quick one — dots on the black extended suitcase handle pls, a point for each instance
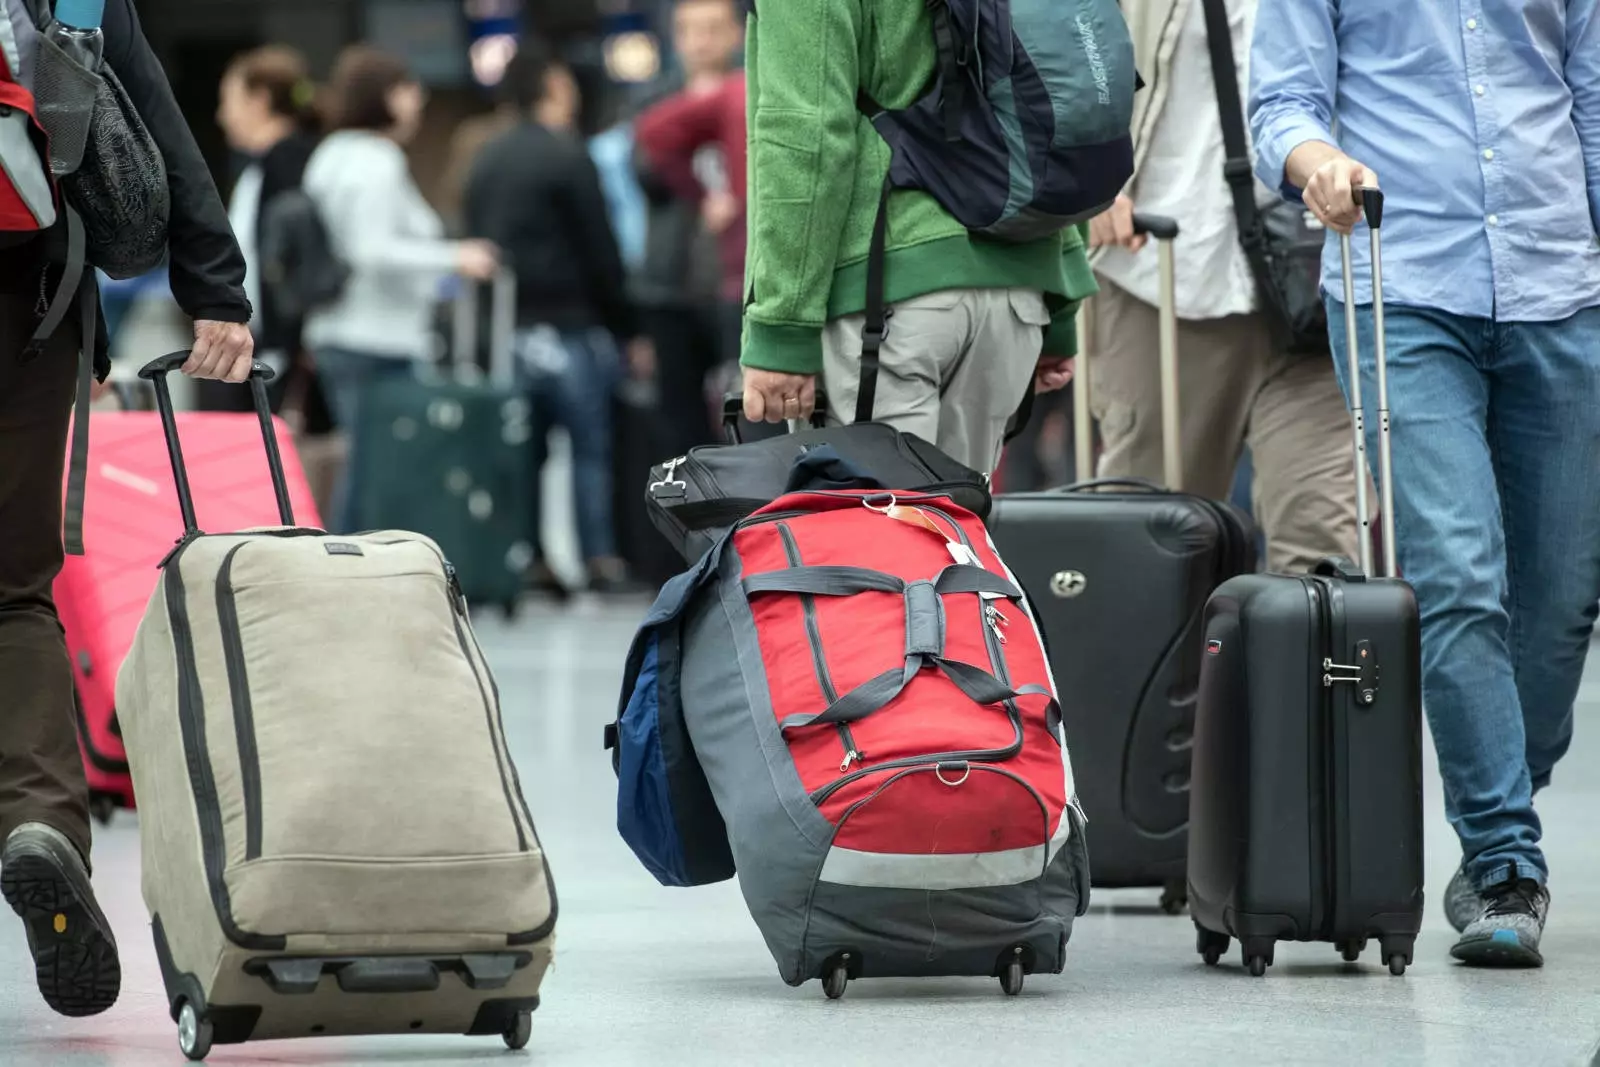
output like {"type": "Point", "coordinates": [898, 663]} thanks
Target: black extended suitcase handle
{"type": "Point", "coordinates": [155, 372]}
{"type": "Point", "coordinates": [733, 410]}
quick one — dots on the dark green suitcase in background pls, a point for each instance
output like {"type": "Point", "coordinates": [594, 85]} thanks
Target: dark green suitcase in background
{"type": "Point", "coordinates": [447, 456]}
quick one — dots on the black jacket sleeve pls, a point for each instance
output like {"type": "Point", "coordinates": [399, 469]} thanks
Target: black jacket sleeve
{"type": "Point", "coordinates": [605, 275]}
{"type": "Point", "coordinates": [206, 268]}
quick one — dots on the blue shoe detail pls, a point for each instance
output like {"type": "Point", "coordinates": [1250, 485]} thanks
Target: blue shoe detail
{"type": "Point", "coordinates": [1507, 936]}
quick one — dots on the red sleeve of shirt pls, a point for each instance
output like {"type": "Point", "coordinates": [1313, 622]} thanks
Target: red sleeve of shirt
{"type": "Point", "coordinates": [671, 132]}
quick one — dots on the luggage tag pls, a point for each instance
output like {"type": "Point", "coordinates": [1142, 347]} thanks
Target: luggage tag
{"type": "Point", "coordinates": [960, 553]}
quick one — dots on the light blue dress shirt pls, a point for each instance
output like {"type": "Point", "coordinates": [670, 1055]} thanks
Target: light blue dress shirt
{"type": "Point", "coordinates": [1481, 119]}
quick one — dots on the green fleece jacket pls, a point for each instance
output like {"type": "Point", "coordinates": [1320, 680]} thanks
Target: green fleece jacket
{"type": "Point", "coordinates": [816, 171]}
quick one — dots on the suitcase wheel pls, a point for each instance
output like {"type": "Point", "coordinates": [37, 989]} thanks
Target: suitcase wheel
{"type": "Point", "coordinates": [1175, 897]}
{"type": "Point", "coordinates": [1012, 977]}
{"type": "Point", "coordinates": [837, 977]}
{"type": "Point", "coordinates": [1210, 944]}
{"type": "Point", "coordinates": [1397, 964]}
{"type": "Point", "coordinates": [103, 807]}
{"type": "Point", "coordinates": [1257, 954]}
{"type": "Point", "coordinates": [194, 1032]}
{"type": "Point", "coordinates": [518, 1033]}
{"type": "Point", "coordinates": [1352, 950]}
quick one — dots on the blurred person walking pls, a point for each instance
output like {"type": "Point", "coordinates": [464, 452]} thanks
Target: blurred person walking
{"type": "Point", "coordinates": [266, 108]}
{"type": "Point", "coordinates": [1239, 386]}
{"type": "Point", "coordinates": [690, 154]}
{"type": "Point", "coordinates": [44, 818]}
{"type": "Point", "coordinates": [535, 192]}
{"type": "Point", "coordinates": [1484, 122]}
{"type": "Point", "coordinates": [388, 237]}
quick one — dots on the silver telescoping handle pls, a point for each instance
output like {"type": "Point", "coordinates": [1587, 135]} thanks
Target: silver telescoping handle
{"type": "Point", "coordinates": [1165, 231]}
{"type": "Point", "coordinates": [502, 325]}
{"type": "Point", "coordinates": [1371, 202]}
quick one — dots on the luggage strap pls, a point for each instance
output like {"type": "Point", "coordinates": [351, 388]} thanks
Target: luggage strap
{"type": "Point", "coordinates": [925, 634]}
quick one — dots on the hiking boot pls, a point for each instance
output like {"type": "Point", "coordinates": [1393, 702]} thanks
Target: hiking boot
{"type": "Point", "coordinates": [46, 882]}
{"type": "Point", "coordinates": [1508, 928]}
{"type": "Point", "coordinates": [1461, 900]}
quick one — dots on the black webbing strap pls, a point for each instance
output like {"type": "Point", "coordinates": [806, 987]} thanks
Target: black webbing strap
{"type": "Point", "coordinates": [874, 695]}
{"type": "Point", "coordinates": [848, 581]}
{"type": "Point", "coordinates": [1230, 109]}
{"type": "Point", "coordinates": [877, 317]}
{"type": "Point", "coordinates": [952, 79]}
{"type": "Point", "coordinates": [71, 278]}
{"type": "Point", "coordinates": [78, 453]}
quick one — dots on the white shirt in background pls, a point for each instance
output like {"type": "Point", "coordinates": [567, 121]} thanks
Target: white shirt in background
{"type": "Point", "coordinates": [244, 208]}
{"type": "Point", "coordinates": [393, 242]}
{"type": "Point", "coordinates": [1182, 178]}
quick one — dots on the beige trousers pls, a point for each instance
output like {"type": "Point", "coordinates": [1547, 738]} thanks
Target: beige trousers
{"type": "Point", "coordinates": [1235, 389]}
{"type": "Point", "coordinates": [954, 367]}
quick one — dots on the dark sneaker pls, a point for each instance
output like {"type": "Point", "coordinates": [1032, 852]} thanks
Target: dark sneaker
{"type": "Point", "coordinates": [1461, 901]}
{"type": "Point", "coordinates": [1508, 928]}
{"type": "Point", "coordinates": [74, 953]}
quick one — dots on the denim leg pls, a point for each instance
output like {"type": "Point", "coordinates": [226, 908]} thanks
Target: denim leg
{"type": "Point", "coordinates": [585, 392]}
{"type": "Point", "coordinates": [1544, 424]}
{"type": "Point", "coordinates": [1452, 549]}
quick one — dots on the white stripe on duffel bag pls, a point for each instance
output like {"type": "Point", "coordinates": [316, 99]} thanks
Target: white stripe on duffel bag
{"type": "Point", "coordinates": [959, 870]}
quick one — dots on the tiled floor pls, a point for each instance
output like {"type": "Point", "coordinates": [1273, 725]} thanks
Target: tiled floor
{"type": "Point", "coordinates": [659, 977]}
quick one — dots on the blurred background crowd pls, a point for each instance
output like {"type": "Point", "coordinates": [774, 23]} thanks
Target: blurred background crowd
{"type": "Point", "coordinates": [593, 149]}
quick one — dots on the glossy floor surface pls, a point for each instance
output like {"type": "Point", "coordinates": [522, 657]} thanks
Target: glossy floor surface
{"type": "Point", "coordinates": [659, 977]}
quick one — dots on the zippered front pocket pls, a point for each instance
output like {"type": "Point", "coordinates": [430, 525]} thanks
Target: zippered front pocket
{"type": "Point", "coordinates": [357, 693]}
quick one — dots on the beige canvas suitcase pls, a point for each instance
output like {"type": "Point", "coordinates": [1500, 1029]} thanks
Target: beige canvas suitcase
{"type": "Point", "coordinates": [334, 836]}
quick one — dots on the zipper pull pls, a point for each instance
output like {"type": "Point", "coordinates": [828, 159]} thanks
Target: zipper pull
{"type": "Point", "coordinates": [851, 757]}
{"type": "Point", "coordinates": [457, 596]}
{"type": "Point", "coordinates": [996, 621]}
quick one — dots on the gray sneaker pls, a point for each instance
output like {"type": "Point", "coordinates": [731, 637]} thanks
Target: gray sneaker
{"type": "Point", "coordinates": [1508, 928]}
{"type": "Point", "coordinates": [1461, 901]}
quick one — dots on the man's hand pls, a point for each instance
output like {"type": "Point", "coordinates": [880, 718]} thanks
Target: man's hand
{"type": "Point", "coordinates": [773, 397]}
{"type": "Point", "coordinates": [1114, 226]}
{"type": "Point", "coordinates": [222, 350]}
{"type": "Point", "coordinates": [1054, 373]}
{"type": "Point", "coordinates": [1330, 192]}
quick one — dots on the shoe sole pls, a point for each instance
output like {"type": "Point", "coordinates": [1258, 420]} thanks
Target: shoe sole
{"type": "Point", "coordinates": [1497, 951]}
{"type": "Point", "coordinates": [74, 955]}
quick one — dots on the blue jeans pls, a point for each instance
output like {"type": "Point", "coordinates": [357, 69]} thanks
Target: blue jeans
{"type": "Point", "coordinates": [1496, 437]}
{"type": "Point", "coordinates": [345, 374]}
{"type": "Point", "coordinates": [570, 378]}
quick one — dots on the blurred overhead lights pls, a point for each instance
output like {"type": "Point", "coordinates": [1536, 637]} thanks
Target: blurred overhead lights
{"type": "Point", "coordinates": [632, 57]}
{"type": "Point", "coordinates": [490, 55]}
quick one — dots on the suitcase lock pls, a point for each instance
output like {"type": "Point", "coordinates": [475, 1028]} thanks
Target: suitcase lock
{"type": "Point", "coordinates": [1363, 674]}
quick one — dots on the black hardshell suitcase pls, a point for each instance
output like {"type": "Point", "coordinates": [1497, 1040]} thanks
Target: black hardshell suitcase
{"type": "Point", "coordinates": [1307, 793]}
{"type": "Point", "coordinates": [1118, 573]}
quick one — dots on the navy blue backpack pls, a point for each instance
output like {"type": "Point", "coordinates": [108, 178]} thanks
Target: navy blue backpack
{"type": "Point", "coordinates": [1024, 131]}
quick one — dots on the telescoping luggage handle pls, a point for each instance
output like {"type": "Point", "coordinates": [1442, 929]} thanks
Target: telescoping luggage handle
{"type": "Point", "coordinates": [1165, 231]}
{"type": "Point", "coordinates": [502, 326]}
{"type": "Point", "coordinates": [156, 372]}
{"type": "Point", "coordinates": [1371, 202]}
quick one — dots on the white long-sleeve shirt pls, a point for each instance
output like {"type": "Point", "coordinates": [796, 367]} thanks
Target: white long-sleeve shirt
{"type": "Point", "coordinates": [388, 236]}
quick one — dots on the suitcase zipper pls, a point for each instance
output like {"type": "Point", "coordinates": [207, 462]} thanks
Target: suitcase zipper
{"type": "Point", "coordinates": [808, 604]}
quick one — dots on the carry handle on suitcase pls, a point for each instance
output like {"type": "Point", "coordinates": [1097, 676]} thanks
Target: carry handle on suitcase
{"type": "Point", "coordinates": [155, 372]}
{"type": "Point", "coordinates": [1370, 201]}
{"type": "Point", "coordinates": [733, 411]}
{"type": "Point", "coordinates": [502, 326]}
{"type": "Point", "coordinates": [1165, 232]}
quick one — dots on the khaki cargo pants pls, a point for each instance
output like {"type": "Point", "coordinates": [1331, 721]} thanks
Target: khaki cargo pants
{"type": "Point", "coordinates": [1235, 388]}
{"type": "Point", "coordinates": [955, 365]}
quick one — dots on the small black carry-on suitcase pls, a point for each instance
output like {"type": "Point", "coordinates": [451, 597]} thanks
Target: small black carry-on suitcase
{"type": "Point", "coordinates": [1118, 573]}
{"type": "Point", "coordinates": [1306, 802]}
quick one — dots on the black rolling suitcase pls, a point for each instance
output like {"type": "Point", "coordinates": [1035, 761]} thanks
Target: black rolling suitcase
{"type": "Point", "coordinates": [1307, 792]}
{"type": "Point", "coordinates": [1118, 573]}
